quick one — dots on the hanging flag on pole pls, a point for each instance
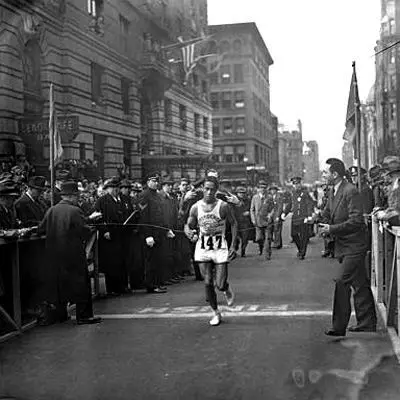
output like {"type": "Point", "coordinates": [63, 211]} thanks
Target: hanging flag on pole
{"type": "Point", "coordinates": [188, 56]}
{"type": "Point", "coordinates": [54, 134]}
{"type": "Point", "coordinates": [353, 115]}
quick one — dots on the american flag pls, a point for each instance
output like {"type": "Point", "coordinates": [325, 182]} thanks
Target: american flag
{"type": "Point", "coordinates": [188, 57]}
{"type": "Point", "coordinates": [351, 132]}
{"type": "Point", "coordinates": [54, 134]}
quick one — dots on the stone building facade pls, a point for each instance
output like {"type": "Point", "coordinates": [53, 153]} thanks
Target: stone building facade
{"type": "Point", "coordinates": [387, 88]}
{"type": "Point", "coordinates": [311, 162]}
{"type": "Point", "coordinates": [291, 153]}
{"type": "Point", "coordinates": [243, 129]}
{"type": "Point", "coordinates": [119, 100]}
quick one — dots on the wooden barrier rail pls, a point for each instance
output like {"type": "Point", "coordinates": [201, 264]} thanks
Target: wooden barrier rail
{"type": "Point", "coordinates": [14, 248]}
{"type": "Point", "coordinates": [385, 271]}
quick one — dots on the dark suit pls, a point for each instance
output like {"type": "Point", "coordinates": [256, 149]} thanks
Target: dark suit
{"type": "Point", "coordinates": [111, 258]}
{"type": "Point", "coordinates": [302, 207]}
{"type": "Point", "coordinates": [30, 212]}
{"type": "Point", "coordinates": [151, 218]}
{"type": "Point", "coordinates": [277, 226]}
{"type": "Point", "coordinates": [343, 212]}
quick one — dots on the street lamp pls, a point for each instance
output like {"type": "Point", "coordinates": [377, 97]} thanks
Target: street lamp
{"type": "Point", "coordinates": [246, 160]}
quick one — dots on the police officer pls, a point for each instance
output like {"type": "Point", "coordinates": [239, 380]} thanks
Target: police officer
{"type": "Point", "coordinates": [302, 209]}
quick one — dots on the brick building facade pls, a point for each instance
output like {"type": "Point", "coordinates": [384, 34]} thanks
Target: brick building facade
{"type": "Point", "coordinates": [118, 99]}
{"type": "Point", "coordinates": [240, 96]}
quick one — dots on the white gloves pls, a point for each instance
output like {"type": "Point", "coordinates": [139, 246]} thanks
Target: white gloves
{"type": "Point", "coordinates": [150, 241]}
{"type": "Point", "coordinates": [170, 234]}
{"type": "Point", "coordinates": [283, 216]}
{"type": "Point", "coordinates": [95, 215]}
{"type": "Point", "coordinates": [107, 236]}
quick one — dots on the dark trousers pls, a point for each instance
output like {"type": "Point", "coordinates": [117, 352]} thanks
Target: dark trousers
{"type": "Point", "coordinates": [300, 236]}
{"type": "Point", "coordinates": [278, 234]}
{"type": "Point", "coordinates": [153, 265]}
{"type": "Point", "coordinates": [136, 270]}
{"type": "Point", "coordinates": [264, 236]}
{"type": "Point", "coordinates": [242, 239]}
{"type": "Point", "coordinates": [352, 274]}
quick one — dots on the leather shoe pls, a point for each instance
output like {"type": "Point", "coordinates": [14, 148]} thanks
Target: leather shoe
{"type": "Point", "coordinates": [89, 321]}
{"type": "Point", "coordinates": [331, 332]}
{"type": "Point", "coordinates": [361, 329]}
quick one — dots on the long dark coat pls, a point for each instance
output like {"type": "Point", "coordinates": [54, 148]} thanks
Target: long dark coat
{"type": "Point", "coordinates": [302, 207]}
{"type": "Point", "coordinates": [30, 212]}
{"type": "Point", "coordinates": [111, 258]}
{"type": "Point", "coordinates": [66, 268]}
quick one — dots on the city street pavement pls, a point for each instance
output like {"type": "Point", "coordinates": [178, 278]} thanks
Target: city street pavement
{"type": "Point", "coordinates": [270, 346]}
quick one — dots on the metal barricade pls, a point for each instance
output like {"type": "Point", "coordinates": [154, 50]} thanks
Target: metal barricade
{"type": "Point", "coordinates": [385, 271]}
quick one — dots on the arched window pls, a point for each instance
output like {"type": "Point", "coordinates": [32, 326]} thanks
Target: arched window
{"type": "Point", "coordinates": [213, 47]}
{"type": "Point", "coordinates": [237, 46]}
{"type": "Point", "coordinates": [32, 67]}
{"type": "Point", "coordinates": [225, 47]}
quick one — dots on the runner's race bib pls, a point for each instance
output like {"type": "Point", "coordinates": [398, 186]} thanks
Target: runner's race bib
{"type": "Point", "coordinates": [216, 242]}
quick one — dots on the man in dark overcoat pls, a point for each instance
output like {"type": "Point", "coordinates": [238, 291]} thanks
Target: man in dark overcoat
{"type": "Point", "coordinates": [343, 219]}
{"type": "Point", "coordinates": [152, 232]}
{"type": "Point", "coordinates": [277, 215]}
{"type": "Point", "coordinates": [67, 272]}
{"type": "Point", "coordinates": [242, 215]}
{"type": "Point", "coordinates": [170, 215]}
{"type": "Point", "coordinates": [30, 208]}
{"type": "Point", "coordinates": [111, 257]}
{"type": "Point", "coordinates": [302, 209]}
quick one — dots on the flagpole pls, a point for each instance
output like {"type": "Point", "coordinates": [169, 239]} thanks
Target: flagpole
{"type": "Point", "coordinates": [51, 139]}
{"type": "Point", "coordinates": [357, 118]}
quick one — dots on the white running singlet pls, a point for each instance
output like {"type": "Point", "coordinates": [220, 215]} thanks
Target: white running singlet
{"type": "Point", "coordinates": [211, 245]}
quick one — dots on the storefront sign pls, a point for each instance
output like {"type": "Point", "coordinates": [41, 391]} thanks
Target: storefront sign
{"type": "Point", "coordinates": [38, 129]}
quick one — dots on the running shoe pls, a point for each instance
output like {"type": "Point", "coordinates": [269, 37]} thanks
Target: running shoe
{"type": "Point", "coordinates": [216, 319]}
{"type": "Point", "coordinates": [229, 296]}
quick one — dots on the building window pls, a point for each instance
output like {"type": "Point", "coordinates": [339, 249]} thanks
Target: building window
{"type": "Point", "coordinates": [225, 47]}
{"type": "Point", "coordinates": [204, 89]}
{"type": "Point", "coordinates": [124, 27]}
{"type": "Point", "coordinates": [393, 111]}
{"type": "Point", "coordinates": [240, 126]}
{"type": "Point", "coordinates": [127, 152]}
{"type": "Point", "coordinates": [82, 151]}
{"type": "Point", "coordinates": [239, 99]}
{"type": "Point", "coordinates": [125, 86]}
{"type": "Point", "coordinates": [97, 78]}
{"type": "Point", "coordinates": [238, 75]}
{"type": "Point", "coordinates": [225, 74]}
{"type": "Point", "coordinates": [393, 82]}
{"type": "Point", "coordinates": [255, 103]}
{"type": "Point", "coordinates": [168, 112]}
{"type": "Point", "coordinates": [214, 78]}
{"type": "Point", "coordinates": [215, 101]}
{"type": "Point", "coordinates": [205, 127]}
{"type": "Point", "coordinates": [227, 100]}
{"type": "Point", "coordinates": [197, 124]}
{"type": "Point", "coordinates": [212, 49]}
{"type": "Point", "coordinates": [237, 46]}
{"type": "Point", "coordinates": [195, 80]}
{"type": "Point", "coordinates": [227, 122]}
{"type": "Point", "coordinates": [182, 116]}
{"type": "Point", "coordinates": [216, 126]}
{"type": "Point", "coordinates": [95, 7]}
{"type": "Point", "coordinates": [229, 158]}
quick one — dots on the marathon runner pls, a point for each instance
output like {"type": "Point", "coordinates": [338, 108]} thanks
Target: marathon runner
{"type": "Point", "coordinates": [210, 215]}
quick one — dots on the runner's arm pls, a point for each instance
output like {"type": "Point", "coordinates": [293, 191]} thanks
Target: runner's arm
{"type": "Point", "coordinates": [191, 224]}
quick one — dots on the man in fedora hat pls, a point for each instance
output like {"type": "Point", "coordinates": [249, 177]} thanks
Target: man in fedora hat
{"type": "Point", "coordinates": [242, 215]}
{"type": "Point", "coordinates": [67, 273]}
{"type": "Point", "coordinates": [8, 194]}
{"type": "Point", "coordinates": [30, 208]}
{"type": "Point", "coordinates": [111, 258]}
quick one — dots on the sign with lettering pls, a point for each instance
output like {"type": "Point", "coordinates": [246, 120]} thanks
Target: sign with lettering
{"type": "Point", "coordinates": [37, 130]}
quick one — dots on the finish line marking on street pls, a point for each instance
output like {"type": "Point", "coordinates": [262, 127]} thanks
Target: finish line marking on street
{"type": "Point", "coordinates": [199, 312]}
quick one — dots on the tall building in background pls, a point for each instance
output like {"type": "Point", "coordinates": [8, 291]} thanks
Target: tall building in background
{"type": "Point", "coordinates": [387, 88]}
{"type": "Point", "coordinates": [121, 104]}
{"type": "Point", "coordinates": [243, 130]}
{"type": "Point", "coordinates": [291, 152]}
{"type": "Point", "coordinates": [311, 162]}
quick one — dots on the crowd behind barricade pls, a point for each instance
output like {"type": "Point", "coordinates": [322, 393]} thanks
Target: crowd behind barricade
{"type": "Point", "coordinates": [141, 228]}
